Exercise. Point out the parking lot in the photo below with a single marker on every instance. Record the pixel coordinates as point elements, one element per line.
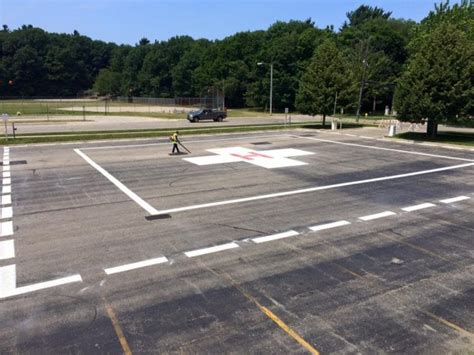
<point>301,241</point>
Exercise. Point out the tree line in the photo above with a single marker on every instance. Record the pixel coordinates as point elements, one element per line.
<point>374,60</point>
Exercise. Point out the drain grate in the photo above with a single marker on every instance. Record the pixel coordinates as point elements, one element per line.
<point>16,162</point>
<point>260,143</point>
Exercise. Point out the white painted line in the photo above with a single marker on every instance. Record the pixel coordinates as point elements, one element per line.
<point>7,181</point>
<point>41,286</point>
<point>190,141</point>
<point>7,249</point>
<point>137,265</point>
<point>147,207</point>
<point>217,248</point>
<point>7,212</point>
<point>377,215</point>
<point>269,238</point>
<point>6,199</point>
<point>7,279</point>
<point>6,174</point>
<point>6,229</point>
<point>310,189</point>
<point>6,168</point>
<point>418,207</point>
<point>386,149</point>
<point>7,189</point>
<point>455,199</point>
<point>329,225</point>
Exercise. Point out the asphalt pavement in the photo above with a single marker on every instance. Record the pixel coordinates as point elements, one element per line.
<point>288,242</point>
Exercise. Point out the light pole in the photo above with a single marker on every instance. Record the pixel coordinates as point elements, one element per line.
<point>271,85</point>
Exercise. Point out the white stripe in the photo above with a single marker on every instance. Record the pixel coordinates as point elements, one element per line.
<point>329,225</point>
<point>6,168</point>
<point>7,189</point>
<point>7,279</point>
<point>455,199</point>
<point>386,149</point>
<point>190,141</point>
<point>418,207</point>
<point>6,199</point>
<point>377,215</point>
<point>7,181</point>
<point>6,174</point>
<point>137,265</point>
<point>150,209</point>
<point>311,189</point>
<point>41,286</point>
<point>7,249</point>
<point>7,212</point>
<point>6,229</point>
<point>269,238</point>
<point>217,248</point>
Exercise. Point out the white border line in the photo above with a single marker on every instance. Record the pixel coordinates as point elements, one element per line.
<point>7,249</point>
<point>6,229</point>
<point>269,238</point>
<point>377,216</point>
<point>40,286</point>
<point>386,149</point>
<point>143,204</point>
<point>210,250</point>
<point>321,227</point>
<point>418,207</point>
<point>137,265</point>
<point>310,189</point>
<point>455,199</point>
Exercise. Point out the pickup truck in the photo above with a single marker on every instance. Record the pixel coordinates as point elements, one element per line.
<point>206,114</point>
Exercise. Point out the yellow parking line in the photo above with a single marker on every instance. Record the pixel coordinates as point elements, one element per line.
<point>267,312</point>
<point>117,328</point>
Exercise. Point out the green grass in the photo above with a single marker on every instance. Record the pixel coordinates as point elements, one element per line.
<point>101,135</point>
<point>466,139</point>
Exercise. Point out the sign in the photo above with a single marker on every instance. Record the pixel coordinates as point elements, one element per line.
<point>268,159</point>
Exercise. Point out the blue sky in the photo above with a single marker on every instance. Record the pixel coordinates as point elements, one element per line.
<point>126,21</point>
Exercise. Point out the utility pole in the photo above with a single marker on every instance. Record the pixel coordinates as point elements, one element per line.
<point>362,83</point>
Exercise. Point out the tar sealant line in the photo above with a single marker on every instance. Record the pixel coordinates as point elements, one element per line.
<point>455,199</point>
<point>272,237</point>
<point>137,265</point>
<point>377,216</point>
<point>321,227</point>
<point>418,207</point>
<point>143,204</point>
<point>387,149</point>
<point>210,250</point>
<point>310,189</point>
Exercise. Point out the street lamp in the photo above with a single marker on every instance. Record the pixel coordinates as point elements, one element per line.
<point>271,84</point>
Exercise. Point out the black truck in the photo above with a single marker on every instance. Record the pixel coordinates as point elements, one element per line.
<point>206,114</point>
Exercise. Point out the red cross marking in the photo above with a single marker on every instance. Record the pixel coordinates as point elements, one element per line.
<point>251,155</point>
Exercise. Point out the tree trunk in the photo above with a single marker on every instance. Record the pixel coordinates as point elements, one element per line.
<point>432,129</point>
<point>324,120</point>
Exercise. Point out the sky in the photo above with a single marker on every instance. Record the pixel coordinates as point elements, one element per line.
<point>127,21</point>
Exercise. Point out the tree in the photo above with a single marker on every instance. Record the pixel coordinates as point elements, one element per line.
<point>326,76</point>
<point>438,82</point>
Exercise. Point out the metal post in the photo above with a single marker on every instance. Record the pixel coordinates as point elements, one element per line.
<point>271,88</point>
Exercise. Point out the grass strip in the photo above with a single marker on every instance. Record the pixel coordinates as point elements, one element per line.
<point>458,138</point>
<point>102,135</point>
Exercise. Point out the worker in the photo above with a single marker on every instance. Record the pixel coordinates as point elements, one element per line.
<point>174,138</point>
